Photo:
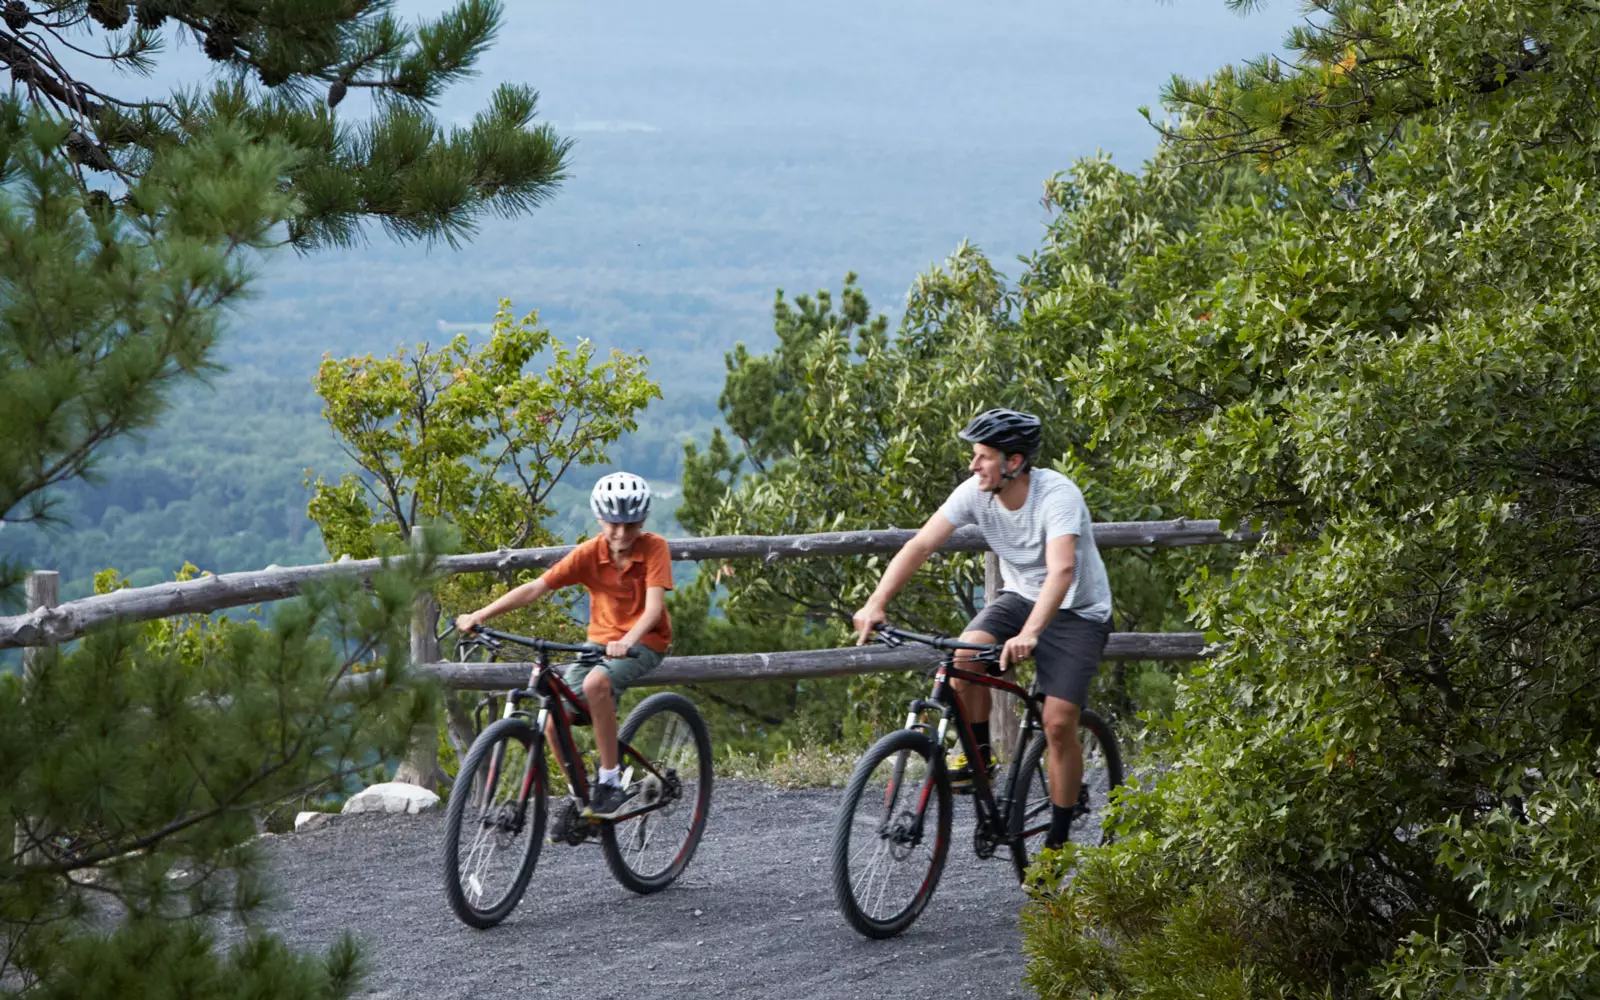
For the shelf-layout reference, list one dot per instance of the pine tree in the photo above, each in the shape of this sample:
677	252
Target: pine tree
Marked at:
135	767
286	67
129	222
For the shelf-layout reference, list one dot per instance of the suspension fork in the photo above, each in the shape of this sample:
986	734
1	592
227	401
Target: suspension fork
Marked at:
938	701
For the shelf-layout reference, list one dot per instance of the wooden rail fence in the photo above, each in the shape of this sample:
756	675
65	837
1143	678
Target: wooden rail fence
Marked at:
48	623
51	625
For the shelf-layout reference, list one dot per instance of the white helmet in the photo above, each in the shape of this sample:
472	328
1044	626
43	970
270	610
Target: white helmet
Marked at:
620	498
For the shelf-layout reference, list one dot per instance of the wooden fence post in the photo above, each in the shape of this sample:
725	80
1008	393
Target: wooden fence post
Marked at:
1003	705
421	764
42	590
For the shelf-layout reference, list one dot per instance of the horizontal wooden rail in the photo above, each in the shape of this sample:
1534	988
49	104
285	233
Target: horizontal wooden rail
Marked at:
65	622
802	663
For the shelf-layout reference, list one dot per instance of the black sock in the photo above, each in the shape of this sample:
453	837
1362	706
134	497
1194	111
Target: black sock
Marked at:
1060	825
980	736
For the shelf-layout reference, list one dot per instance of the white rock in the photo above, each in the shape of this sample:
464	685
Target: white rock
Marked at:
308	821
391	797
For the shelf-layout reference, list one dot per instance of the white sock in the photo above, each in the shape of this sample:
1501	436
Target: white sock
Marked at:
611	776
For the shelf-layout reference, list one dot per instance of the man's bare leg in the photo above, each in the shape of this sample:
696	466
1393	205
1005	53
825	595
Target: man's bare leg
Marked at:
974	697
1063	749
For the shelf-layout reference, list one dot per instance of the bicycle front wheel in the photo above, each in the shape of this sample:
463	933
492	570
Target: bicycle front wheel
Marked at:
646	853
892	834
494	825
1030	790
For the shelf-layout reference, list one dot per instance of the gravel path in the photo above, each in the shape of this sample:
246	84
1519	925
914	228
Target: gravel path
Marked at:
753	916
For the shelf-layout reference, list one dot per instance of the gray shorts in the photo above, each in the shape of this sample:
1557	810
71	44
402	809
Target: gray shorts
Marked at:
623	672
1068	654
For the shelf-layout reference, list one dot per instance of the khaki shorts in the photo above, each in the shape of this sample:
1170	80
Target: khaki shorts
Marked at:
623	673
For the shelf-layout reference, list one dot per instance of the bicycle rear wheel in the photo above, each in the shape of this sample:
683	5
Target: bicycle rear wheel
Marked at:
648	852
494	825
892	834
1030	790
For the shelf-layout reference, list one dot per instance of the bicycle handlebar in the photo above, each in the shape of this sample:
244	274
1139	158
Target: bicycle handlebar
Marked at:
897	635
541	645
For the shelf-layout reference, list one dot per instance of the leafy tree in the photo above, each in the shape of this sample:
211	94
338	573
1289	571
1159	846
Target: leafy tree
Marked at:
847	427
137	766
1385	784
469	435
474	438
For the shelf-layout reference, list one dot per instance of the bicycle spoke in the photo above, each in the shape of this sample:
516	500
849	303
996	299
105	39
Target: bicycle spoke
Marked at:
671	767
888	844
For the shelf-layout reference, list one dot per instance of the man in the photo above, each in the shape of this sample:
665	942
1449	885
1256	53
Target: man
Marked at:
1055	601
627	572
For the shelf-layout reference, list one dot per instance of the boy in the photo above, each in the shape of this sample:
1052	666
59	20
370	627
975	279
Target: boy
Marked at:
627	572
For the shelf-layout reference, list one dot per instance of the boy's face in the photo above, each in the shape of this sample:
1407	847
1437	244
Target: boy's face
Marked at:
621	536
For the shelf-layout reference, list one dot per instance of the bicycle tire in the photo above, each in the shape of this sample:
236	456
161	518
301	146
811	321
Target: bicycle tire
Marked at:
1101	754
624	843
480	852
913	744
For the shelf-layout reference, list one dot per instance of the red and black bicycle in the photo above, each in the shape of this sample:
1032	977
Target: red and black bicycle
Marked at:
495	821
893	829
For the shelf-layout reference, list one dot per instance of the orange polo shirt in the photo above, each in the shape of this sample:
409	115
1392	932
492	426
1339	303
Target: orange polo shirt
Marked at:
616	597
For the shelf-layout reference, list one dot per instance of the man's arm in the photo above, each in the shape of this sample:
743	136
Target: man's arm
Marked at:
1060	561
905	563
655	602
517	597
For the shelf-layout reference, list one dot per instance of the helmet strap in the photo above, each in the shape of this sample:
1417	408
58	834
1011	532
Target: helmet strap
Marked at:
1006	477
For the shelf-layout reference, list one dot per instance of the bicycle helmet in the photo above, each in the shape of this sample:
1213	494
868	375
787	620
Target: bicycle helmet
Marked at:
1006	431
620	498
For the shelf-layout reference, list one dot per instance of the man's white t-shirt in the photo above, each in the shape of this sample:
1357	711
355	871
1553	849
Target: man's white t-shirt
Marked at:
1054	507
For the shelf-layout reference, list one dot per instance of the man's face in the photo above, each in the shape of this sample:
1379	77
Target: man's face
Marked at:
988	464
621	536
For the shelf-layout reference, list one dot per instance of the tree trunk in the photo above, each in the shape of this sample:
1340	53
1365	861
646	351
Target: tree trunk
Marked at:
421	765
43	590
1003	705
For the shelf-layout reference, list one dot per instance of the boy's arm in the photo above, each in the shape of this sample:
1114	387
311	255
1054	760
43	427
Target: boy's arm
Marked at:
655	602
517	597
906	562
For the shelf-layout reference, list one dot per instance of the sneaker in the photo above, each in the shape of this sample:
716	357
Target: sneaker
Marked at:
961	772
608	801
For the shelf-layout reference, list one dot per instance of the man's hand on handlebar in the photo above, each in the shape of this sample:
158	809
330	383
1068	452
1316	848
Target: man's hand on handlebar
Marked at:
468	623
868	618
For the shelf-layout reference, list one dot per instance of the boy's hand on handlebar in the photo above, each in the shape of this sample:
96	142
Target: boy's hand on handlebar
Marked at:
618	650
869	617
1017	649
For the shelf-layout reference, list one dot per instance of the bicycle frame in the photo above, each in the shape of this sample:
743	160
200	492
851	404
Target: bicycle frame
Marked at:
559	706
992	823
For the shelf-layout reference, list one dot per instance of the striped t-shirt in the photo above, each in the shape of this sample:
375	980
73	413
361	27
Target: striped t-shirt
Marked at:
1054	507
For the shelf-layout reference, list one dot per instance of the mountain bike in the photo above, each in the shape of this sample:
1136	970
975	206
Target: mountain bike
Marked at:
495	821
895	818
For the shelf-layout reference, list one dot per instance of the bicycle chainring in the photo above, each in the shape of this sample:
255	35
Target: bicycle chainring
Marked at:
568	826
984	842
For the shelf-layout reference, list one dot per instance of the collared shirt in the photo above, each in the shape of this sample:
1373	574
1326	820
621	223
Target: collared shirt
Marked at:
616	597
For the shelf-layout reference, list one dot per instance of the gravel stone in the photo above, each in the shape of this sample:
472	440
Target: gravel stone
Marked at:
753	916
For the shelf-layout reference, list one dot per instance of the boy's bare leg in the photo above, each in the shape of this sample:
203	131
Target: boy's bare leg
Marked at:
603	715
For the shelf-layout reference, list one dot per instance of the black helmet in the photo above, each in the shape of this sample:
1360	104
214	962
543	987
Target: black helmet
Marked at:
1006	431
